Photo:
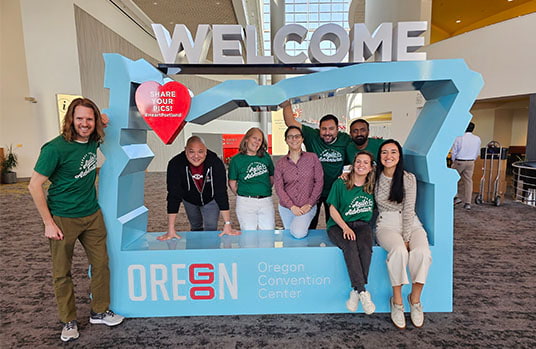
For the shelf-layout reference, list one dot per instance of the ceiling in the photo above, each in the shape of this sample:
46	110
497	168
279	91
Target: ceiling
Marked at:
457	16
188	12
449	17
471	14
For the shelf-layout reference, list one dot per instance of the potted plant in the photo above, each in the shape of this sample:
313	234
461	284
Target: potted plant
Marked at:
8	164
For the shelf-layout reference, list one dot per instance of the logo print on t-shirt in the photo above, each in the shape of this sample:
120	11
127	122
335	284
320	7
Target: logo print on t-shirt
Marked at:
255	169
330	155
87	164
359	204
197	176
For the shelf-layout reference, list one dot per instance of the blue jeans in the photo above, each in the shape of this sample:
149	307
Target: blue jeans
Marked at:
298	225
203	217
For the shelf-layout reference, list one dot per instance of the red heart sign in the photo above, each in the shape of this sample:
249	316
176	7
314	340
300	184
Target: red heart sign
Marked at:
164	107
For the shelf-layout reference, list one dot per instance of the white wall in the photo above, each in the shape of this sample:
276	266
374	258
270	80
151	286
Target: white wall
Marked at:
520	123
484	120
504	53
39	55
19	120
402	105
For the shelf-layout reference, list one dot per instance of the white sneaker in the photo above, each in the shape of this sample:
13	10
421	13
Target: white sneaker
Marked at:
417	315
353	301
366	302
397	315
457	201
108	318
69	331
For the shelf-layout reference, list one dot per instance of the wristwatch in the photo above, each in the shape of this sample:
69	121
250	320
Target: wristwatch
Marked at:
228	222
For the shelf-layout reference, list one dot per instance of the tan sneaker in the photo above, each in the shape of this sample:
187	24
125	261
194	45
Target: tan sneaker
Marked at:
69	331
416	313
397	315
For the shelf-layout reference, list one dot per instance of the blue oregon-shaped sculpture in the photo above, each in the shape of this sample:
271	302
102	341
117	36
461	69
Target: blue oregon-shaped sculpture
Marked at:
270	272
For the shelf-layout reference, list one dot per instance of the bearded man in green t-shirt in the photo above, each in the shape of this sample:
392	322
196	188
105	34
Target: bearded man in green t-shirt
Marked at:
329	145
71	212
359	131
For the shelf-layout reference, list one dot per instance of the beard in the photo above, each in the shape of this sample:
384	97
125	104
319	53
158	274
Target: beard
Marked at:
359	140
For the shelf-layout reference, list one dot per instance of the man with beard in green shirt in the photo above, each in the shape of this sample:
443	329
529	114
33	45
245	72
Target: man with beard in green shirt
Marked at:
329	145
359	131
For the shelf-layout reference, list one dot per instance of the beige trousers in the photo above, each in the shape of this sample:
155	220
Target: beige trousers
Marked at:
465	184
419	257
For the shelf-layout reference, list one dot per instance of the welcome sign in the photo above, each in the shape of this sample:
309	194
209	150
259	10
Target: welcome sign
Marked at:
388	42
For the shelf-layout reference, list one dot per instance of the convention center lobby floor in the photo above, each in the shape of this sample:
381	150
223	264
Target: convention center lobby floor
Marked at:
494	292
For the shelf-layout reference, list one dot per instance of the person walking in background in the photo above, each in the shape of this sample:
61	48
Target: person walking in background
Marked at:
71	212
196	177
298	183
400	232
351	207
329	145
251	178
464	153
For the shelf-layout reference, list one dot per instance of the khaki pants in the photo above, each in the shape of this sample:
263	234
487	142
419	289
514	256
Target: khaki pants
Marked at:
91	232
419	257
465	184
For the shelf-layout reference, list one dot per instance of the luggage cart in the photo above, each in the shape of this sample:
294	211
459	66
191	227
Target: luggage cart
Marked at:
489	183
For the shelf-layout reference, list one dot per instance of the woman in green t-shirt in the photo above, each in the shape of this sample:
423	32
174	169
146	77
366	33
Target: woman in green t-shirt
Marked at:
351	206
251	176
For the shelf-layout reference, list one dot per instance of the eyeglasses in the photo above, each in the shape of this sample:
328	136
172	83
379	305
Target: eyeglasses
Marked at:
297	136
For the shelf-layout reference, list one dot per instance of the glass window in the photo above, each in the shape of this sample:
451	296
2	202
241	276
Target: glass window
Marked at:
337	17
301	17
325	7
301	8
325	17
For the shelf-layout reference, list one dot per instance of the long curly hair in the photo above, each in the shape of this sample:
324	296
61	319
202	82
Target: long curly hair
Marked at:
68	131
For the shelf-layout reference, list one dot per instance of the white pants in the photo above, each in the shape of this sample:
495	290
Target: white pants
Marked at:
418	259
255	214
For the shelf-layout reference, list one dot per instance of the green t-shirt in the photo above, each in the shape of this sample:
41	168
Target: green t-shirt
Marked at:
353	205
252	174
70	167
332	156
373	146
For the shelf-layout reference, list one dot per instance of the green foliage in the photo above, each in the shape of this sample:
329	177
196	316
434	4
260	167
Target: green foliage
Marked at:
10	161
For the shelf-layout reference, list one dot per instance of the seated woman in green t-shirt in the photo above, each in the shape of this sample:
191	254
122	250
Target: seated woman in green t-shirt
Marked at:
251	176
351	206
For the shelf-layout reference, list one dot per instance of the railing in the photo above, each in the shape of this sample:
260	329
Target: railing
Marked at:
524	181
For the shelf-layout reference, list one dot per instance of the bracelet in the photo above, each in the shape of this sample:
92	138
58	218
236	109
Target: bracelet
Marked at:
228	222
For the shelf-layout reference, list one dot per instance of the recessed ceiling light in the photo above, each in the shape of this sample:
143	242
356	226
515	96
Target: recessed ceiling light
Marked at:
458	21
217	2
171	22
509	0
155	3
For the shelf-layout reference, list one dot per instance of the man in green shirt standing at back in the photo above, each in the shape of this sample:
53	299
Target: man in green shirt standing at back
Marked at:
329	145
71	212
359	131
